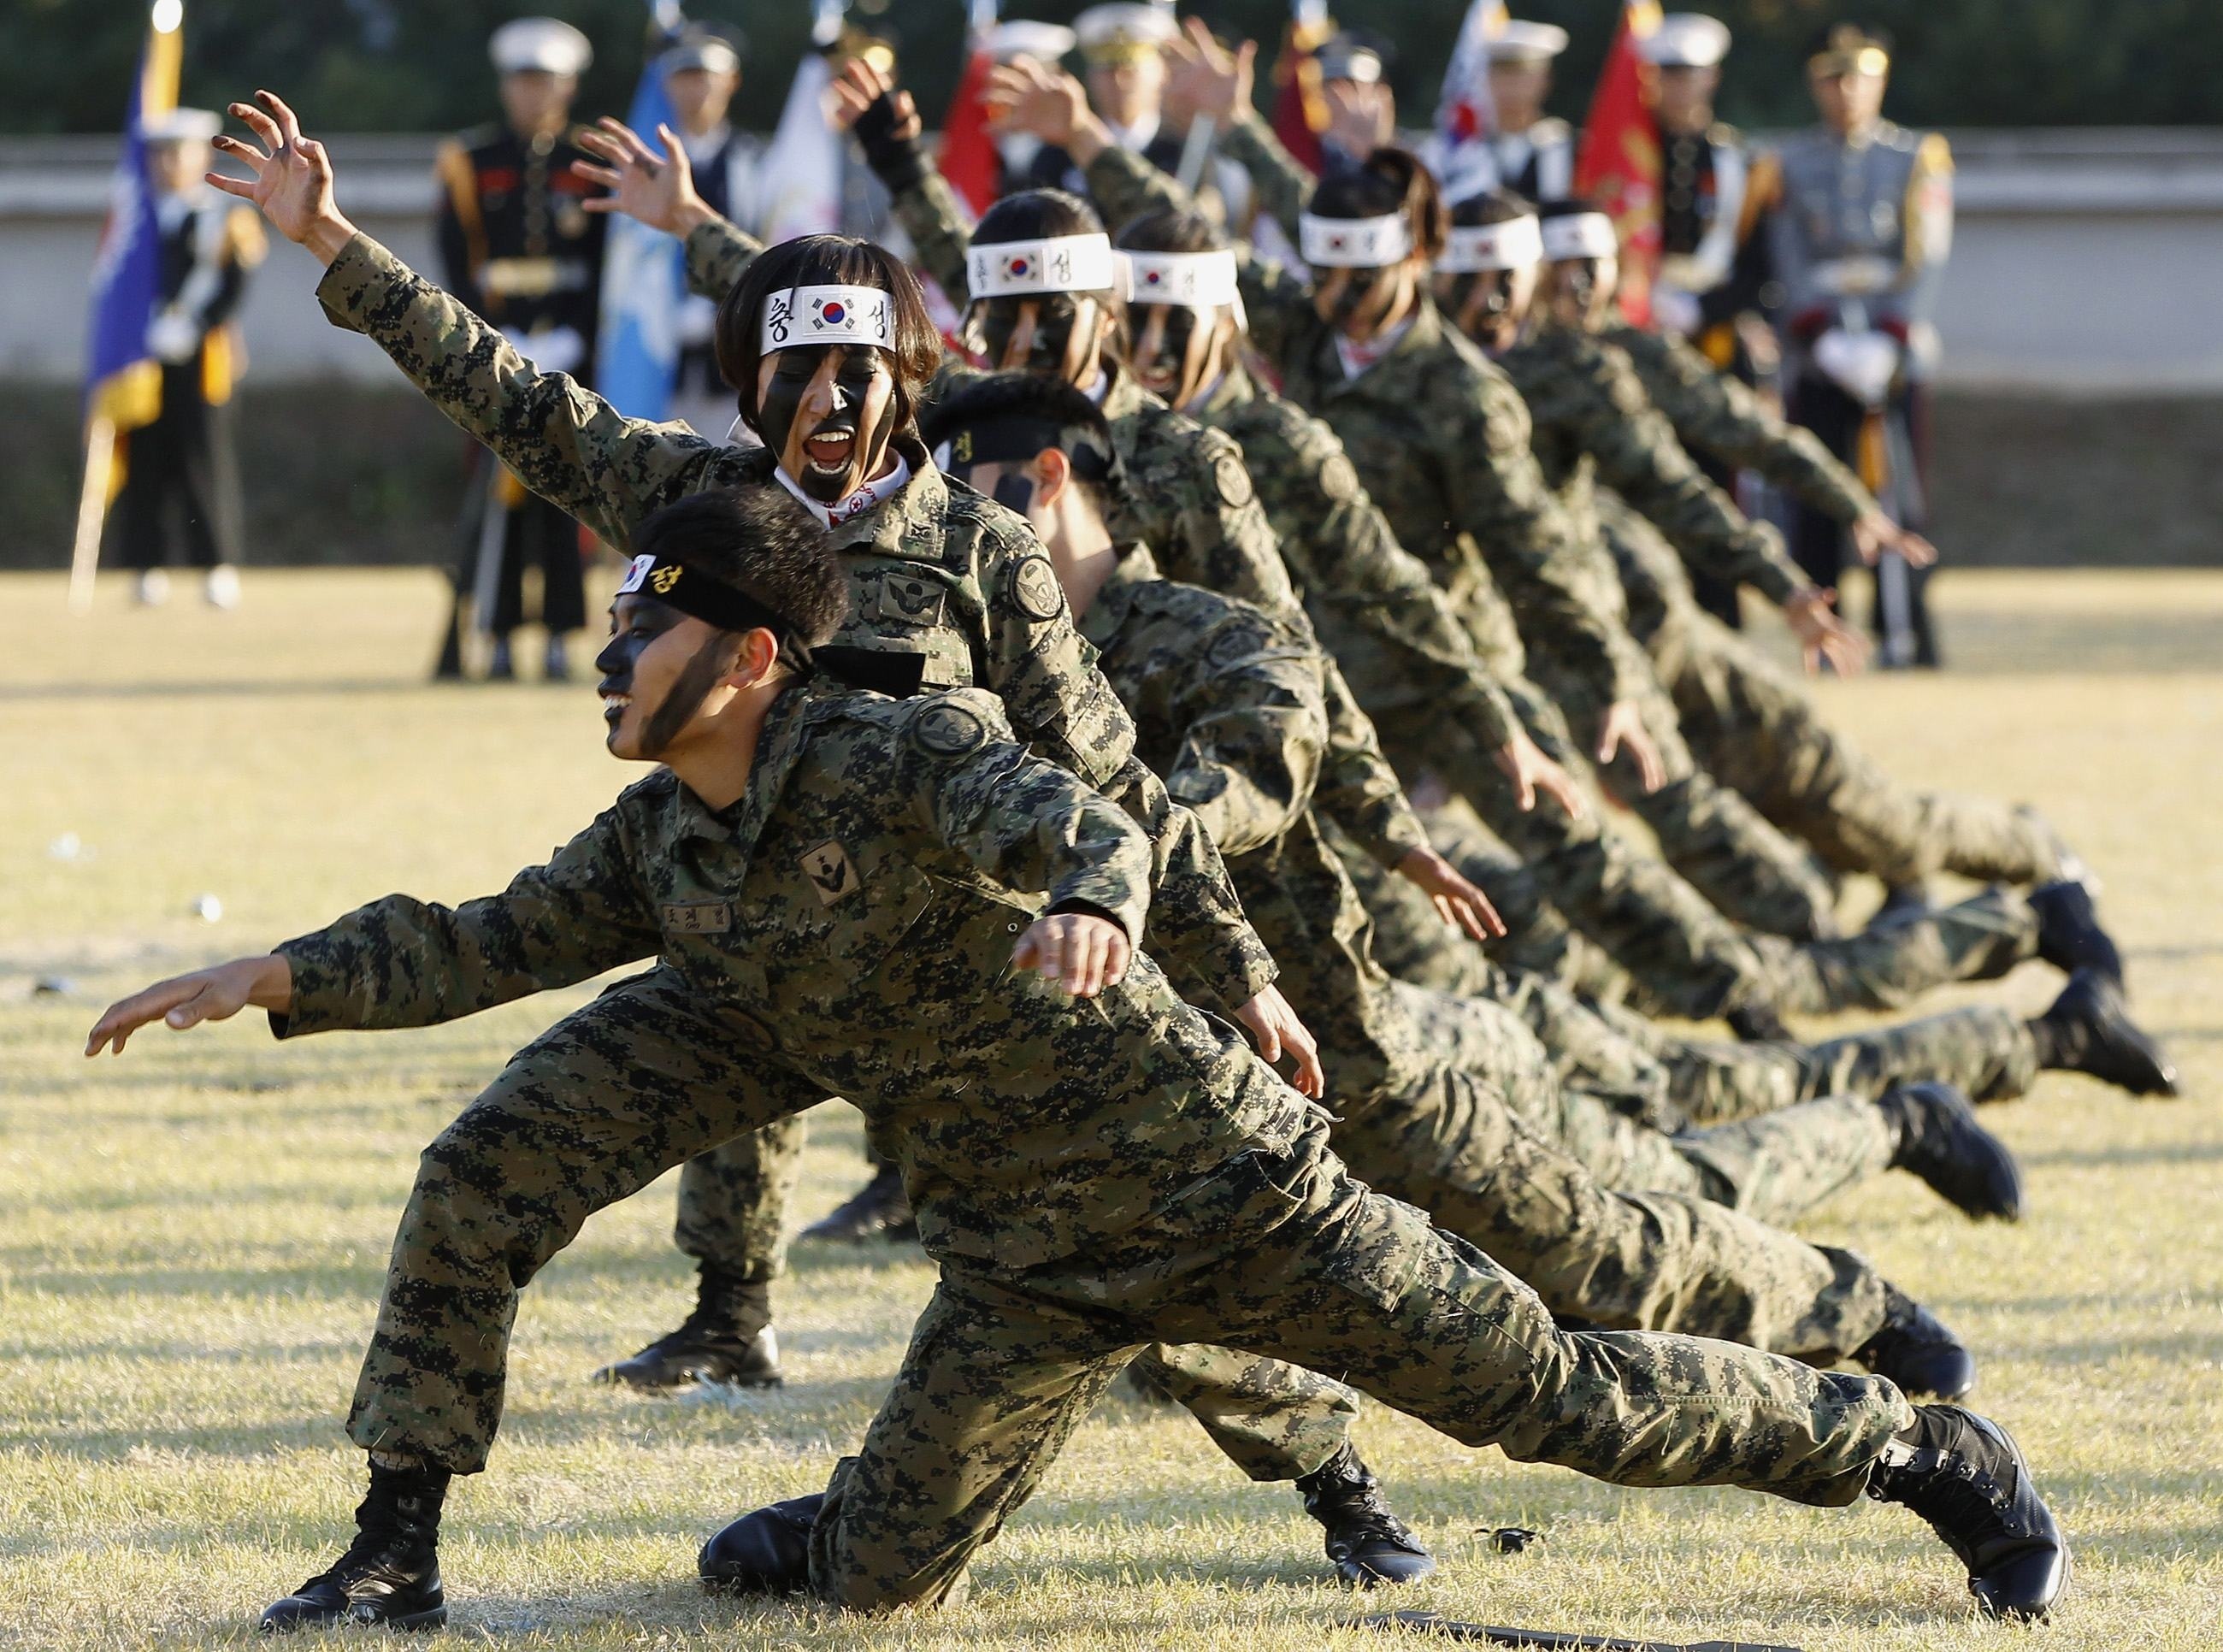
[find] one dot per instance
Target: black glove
(898, 163)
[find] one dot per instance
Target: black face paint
(1577, 283)
(1357, 292)
(1015, 491)
(692, 686)
(1167, 371)
(792, 373)
(988, 331)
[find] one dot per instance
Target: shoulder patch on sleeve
(1232, 480)
(1034, 589)
(946, 729)
(1339, 477)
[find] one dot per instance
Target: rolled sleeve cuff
(715, 258)
(363, 273)
(325, 999)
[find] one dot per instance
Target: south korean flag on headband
(636, 573)
(828, 315)
(1198, 280)
(1065, 263)
(1353, 243)
(1475, 248)
(1580, 234)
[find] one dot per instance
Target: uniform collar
(1135, 569)
(893, 524)
(1422, 334)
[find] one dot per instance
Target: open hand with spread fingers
(657, 189)
(293, 181)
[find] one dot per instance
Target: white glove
(1863, 364)
(1676, 310)
(173, 337)
(560, 350)
(698, 320)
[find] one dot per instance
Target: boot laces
(1354, 1513)
(1964, 1504)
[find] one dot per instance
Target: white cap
(1044, 42)
(182, 126)
(1124, 29)
(1580, 234)
(1057, 263)
(548, 44)
(1686, 40)
(1527, 41)
(703, 48)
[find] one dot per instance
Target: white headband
(1200, 280)
(1515, 245)
(1353, 243)
(1580, 235)
(828, 315)
(1063, 263)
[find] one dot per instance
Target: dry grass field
(191, 1238)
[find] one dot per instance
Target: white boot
(221, 590)
(153, 587)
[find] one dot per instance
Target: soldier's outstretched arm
(659, 191)
(567, 444)
(404, 963)
(867, 101)
(1218, 83)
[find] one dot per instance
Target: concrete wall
(2086, 260)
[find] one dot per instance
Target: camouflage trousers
(1634, 907)
(733, 1202)
(1886, 966)
(1758, 731)
(1286, 1256)
(1748, 870)
(1463, 1146)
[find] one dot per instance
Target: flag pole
(91, 509)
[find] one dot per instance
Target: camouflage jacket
(1717, 414)
(948, 588)
(1187, 494)
(1380, 614)
(1439, 435)
(1594, 423)
(851, 918)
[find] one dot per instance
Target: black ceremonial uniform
(181, 473)
(518, 246)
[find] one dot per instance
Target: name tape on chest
(1061, 263)
(800, 316)
(1472, 250)
(1353, 243)
(698, 917)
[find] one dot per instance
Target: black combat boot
(2068, 933)
(879, 1210)
(1902, 903)
(766, 1552)
(1940, 1141)
(1914, 1349)
(2089, 1030)
(1966, 1477)
(727, 1339)
(1369, 1544)
(390, 1574)
(1758, 1024)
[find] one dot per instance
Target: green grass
(191, 1238)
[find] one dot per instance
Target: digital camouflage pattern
(1332, 1276)
(1225, 701)
(1759, 732)
(1591, 423)
(733, 1202)
(935, 570)
(1087, 1174)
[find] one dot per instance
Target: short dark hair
(1390, 180)
(828, 260)
(1038, 400)
(1492, 206)
(762, 541)
(1037, 215)
(1171, 229)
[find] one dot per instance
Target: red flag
(969, 160)
(1300, 109)
(1618, 166)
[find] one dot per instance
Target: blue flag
(122, 379)
(644, 270)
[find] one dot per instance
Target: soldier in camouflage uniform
(806, 860)
(1752, 726)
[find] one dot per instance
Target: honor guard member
(518, 246)
(1527, 151)
(1125, 46)
(1019, 37)
(1706, 290)
(702, 72)
(181, 475)
(1859, 226)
